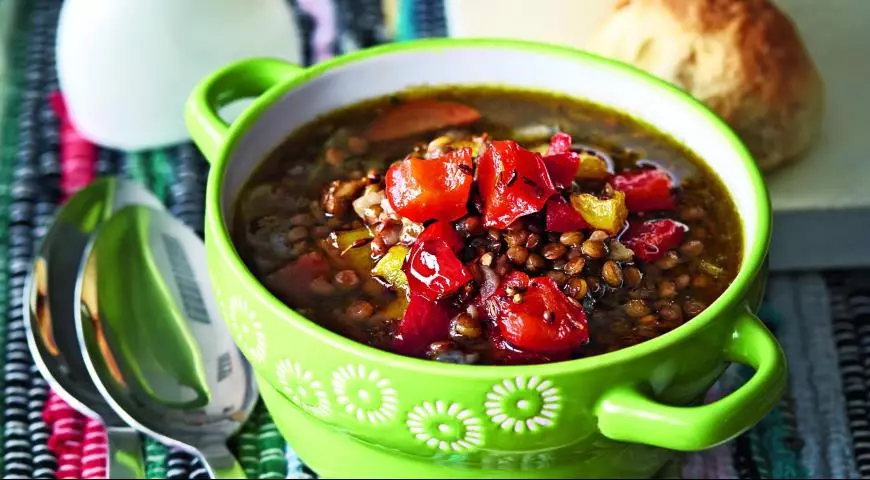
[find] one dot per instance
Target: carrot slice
(420, 116)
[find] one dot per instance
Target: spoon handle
(220, 463)
(125, 453)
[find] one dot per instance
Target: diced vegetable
(293, 280)
(562, 217)
(389, 268)
(562, 167)
(646, 190)
(443, 231)
(437, 189)
(506, 354)
(512, 181)
(433, 270)
(592, 167)
(560, 143)
(350, 249)
(420, 116)
(711, 269)
(604, 214)
(652, 239)
(395, 310)
(539, 318)
(424, 322)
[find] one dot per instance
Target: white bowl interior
(600, 83)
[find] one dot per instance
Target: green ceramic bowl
(354, 411)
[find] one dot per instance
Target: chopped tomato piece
(433, 270)
(421, 190)
(420, 116)
(541, 318)
(560, 143)
(652, 239)
(424, 322)
(443, 231)
(562, 168)
(513, 182)
(646, 190)
(562, 217)
(604, 214)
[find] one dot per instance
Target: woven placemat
(819, 430)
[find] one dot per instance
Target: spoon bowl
(48, 306)
(153, 340)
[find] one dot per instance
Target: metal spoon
(153, 341)
(49, 301)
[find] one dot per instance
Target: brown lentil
(599, 236)
(303, 219)
(636, 308)
(593, 284)
(692, 213)
(535, 262)
(516, 238)
(571, 239)
(647, 320)
(577, 288)
(671, 313)
(693, 307)
(473, 226)
(437, 348)
(612, 274)
(692, 248)
(494, 234)
(701, 280)
(682, 281)
(465, 327)
(533, 241)
(552, 251)
(518, 254)
(633, 277)
(558, 277)
(593, 249)
(360, 310)
(667, 289)
(347, 279)
(574, 252)
(669, 261)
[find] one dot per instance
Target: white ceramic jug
(126, 67)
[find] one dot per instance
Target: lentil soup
(488, 226)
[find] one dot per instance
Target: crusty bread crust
(743, 58)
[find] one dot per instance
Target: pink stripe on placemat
(78, 156)
(78, 442)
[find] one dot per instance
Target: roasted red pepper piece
(422, 190)
(443, 231)
(512, 181)
(560, 143)
(652, 239)
(504, 353)
(544, 320)
(562, 167)
(433, 270)
(561, 216)
(424, 322)
(645, 190)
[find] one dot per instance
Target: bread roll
(742, 58)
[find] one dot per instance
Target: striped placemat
(819, 430)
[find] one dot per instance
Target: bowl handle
(245, 79)
(626, 414)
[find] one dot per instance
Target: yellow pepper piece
(350, 250)
(608, 215)
(592, 167)
(390, 268)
